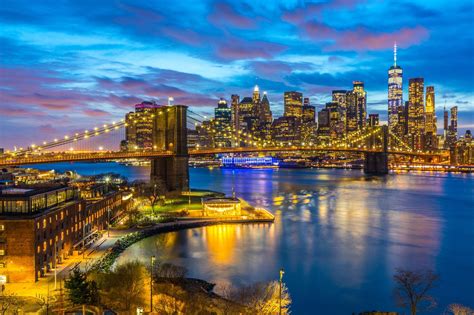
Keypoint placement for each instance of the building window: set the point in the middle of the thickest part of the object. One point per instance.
(2, 252)
(2, 227)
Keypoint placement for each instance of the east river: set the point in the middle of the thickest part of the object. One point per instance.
(338, 234)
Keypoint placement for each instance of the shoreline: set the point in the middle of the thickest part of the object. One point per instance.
(108, 259)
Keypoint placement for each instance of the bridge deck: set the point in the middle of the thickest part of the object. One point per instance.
(43, 158)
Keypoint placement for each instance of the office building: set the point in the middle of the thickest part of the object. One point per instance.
(293, 104)
(395, 93)
(373, 120)
(223, 124)
(416, 117)
(356, 100)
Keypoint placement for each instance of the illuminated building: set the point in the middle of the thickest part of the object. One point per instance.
(430, 111)
(285, 130)
(373, 120)
(323, 124)
(42, 226)
(452, 135)
(340, 97)
(445, 122)
(416, 117)
(222, 122)
(431, 139)
(265, 111)
(139, 128)
(293, 104)
(234, 105)
(222, 207)
(395, 93)
(309, 114)
(462, 150)
(356, 114)
(309, 126)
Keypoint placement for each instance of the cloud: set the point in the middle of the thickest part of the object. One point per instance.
(364, 40)
(224, 15)
(95, 112)
(235, 49)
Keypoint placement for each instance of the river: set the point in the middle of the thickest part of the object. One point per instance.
(338, 234)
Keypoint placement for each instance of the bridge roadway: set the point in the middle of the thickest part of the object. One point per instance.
(54, 157)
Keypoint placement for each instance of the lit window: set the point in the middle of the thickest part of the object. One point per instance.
(2, 227)
(2, 252)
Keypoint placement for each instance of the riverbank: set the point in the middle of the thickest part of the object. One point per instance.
(105, 262)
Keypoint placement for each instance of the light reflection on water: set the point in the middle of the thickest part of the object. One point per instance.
(338, 234)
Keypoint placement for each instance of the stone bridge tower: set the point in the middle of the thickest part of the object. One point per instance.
(170, 134)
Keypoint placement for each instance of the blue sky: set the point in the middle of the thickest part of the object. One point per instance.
(66, 65)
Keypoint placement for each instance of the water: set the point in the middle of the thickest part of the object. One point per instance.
(338, 234)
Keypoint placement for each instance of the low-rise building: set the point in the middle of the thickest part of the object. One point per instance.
(42, 226)
(222, 207)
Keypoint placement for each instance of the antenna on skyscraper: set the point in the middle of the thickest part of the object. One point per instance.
(395, 54)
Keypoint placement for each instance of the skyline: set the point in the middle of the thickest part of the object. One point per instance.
(96, 64)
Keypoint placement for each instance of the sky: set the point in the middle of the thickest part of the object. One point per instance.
(69, 65)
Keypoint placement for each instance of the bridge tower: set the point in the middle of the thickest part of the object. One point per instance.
(377, 162)
(170, 134)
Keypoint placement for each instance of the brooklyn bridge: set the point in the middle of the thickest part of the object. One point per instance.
(170, 153)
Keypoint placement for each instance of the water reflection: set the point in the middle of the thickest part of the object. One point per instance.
(338, 234)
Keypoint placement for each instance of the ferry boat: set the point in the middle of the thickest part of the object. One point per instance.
(249, 162)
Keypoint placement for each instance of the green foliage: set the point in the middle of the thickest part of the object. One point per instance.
(80, 290)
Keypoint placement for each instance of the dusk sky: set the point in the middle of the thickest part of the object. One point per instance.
(68, 65)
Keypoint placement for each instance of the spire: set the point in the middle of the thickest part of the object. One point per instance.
(255, 89)
(395, 54)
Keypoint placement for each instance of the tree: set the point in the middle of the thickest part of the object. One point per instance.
(262, 297)
(152, 191)
(458, 309)
(124, 287)
(412, 289)
(81, 291)
(9, 303)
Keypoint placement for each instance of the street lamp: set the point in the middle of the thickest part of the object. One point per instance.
(151, 282)
(282, 272)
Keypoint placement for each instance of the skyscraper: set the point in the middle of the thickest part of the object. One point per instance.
(431, 139)
(430, 111)
(356, 107)
(395, 92)
(445, 122)
(293, 102)
(416, 117)
(340, 97)
(234, 105)
(139, 130)
(265, 111)
(222, 120)
(452, 136)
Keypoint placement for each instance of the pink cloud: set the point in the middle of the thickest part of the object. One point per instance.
(223, 15)
(239, 49)
(95, 112)
(363, 40)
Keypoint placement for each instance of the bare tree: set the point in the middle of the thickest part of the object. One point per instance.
(412, 289)
(458, 309)
(262, 297)
(152, 191)
(10, 303)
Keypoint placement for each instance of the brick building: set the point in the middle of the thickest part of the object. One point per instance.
(39, 225)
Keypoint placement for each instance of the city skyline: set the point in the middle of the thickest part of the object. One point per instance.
(116, 58)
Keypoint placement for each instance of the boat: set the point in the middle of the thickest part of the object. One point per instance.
(250, 162)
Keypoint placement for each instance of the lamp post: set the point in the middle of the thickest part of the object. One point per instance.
(282, 272)
(151, 282)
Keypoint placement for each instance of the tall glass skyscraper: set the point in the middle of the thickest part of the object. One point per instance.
(395, 92)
